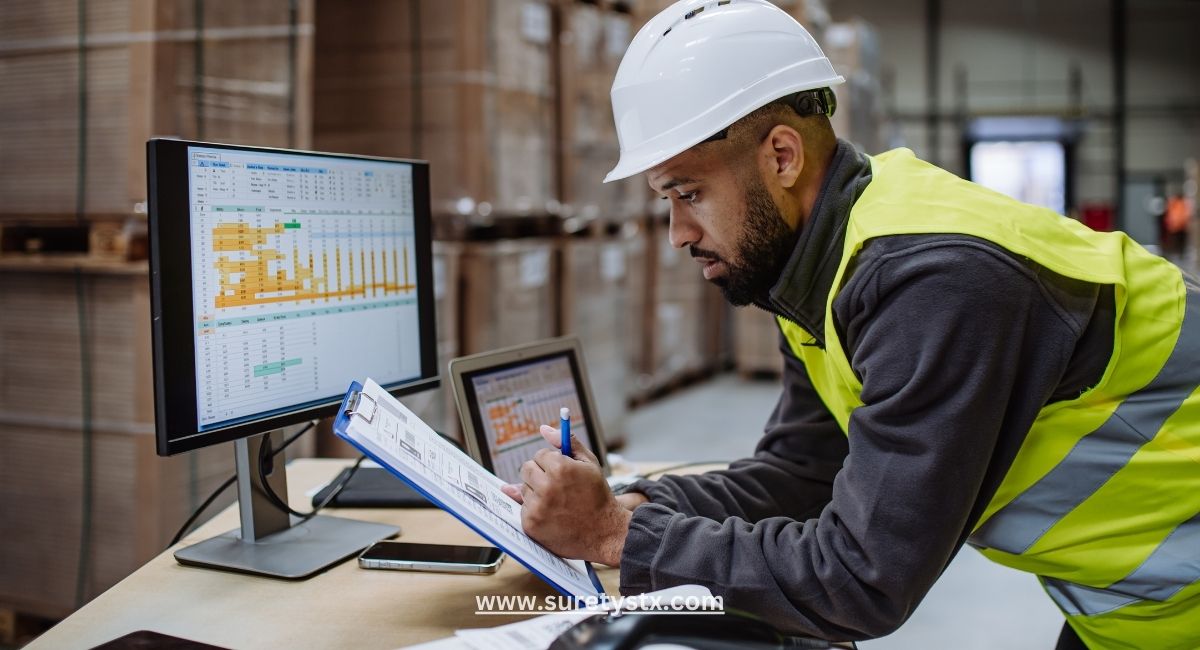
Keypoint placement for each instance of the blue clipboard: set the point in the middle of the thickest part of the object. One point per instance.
(340, 424)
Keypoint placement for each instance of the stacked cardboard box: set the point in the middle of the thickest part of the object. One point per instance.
(592, 42)
(853, 48)
(508, 293)
(636, 241)
(676, 325)
(593, 307)
(467, 85)
(436, 407)
(139, 499)
(238, 74)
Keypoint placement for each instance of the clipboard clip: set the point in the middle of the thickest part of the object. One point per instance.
(362, 405)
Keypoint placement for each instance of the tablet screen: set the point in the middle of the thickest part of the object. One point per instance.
(509, 403)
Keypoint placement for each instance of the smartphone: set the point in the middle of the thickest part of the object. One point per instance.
(403, 556)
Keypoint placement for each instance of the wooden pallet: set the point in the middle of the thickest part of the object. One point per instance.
(98, 239)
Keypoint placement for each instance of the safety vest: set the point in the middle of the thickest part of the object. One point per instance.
(1102, 501)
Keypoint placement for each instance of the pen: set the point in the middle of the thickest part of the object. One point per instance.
(565, 424)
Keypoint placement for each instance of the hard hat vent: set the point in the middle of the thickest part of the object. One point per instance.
(696, 12)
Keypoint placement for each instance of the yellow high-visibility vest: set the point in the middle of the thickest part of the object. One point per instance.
(1102, 501)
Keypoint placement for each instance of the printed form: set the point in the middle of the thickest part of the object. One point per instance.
(398, 439)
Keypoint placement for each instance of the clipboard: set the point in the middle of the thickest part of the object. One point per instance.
(357, 404)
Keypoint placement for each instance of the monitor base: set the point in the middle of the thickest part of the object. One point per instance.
(271, 542)
(293, 553)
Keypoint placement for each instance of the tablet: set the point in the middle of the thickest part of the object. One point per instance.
(503, 397)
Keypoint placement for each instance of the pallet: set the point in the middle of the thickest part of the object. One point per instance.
(98, 239)
(675, 384)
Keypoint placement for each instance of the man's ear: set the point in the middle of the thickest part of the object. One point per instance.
(785, 150)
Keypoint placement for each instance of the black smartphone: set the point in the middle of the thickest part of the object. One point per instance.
(403, 556)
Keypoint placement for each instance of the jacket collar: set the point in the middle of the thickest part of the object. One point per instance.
(803, 287)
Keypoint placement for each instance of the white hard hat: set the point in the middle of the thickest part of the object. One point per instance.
(701, 65)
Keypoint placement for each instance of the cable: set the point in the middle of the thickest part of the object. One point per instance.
(671, 468)
(85, 353)
(184, 529)
(275, 500)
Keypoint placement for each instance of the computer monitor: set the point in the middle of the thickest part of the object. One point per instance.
(277, 278)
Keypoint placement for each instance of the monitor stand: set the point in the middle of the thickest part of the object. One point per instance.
(272, 542)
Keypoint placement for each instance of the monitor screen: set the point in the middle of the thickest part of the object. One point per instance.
(510, 403)
(300, 273)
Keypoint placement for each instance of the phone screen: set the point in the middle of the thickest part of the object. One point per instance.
(483, 555)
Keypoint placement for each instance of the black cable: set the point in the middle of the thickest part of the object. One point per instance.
(85, 354)
(183, 530)
(672, 468)
(275, 500)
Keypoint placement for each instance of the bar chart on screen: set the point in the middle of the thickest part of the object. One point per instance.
(303, 277)
(308, 259)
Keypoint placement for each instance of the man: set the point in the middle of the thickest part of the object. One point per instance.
(960, 368)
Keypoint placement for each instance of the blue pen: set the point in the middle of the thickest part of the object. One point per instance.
(565, 423)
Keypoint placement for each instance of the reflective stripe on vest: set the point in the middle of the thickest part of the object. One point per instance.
(1175, 564)
(1102, 453)
(1102, 500)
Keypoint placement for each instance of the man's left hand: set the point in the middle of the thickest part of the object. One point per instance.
(567, 506)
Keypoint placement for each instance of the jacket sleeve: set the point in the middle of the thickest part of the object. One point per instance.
(790, 475)
(950, 353)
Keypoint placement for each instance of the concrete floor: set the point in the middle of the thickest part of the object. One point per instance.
(976, 605)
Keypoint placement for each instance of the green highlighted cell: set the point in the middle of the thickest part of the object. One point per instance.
(290, 225)
(275, 367)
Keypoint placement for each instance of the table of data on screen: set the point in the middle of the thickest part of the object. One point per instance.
(282, 246)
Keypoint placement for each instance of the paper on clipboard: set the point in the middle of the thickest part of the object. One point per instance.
(387, 431)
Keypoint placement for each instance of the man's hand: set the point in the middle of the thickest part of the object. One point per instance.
(567, 506)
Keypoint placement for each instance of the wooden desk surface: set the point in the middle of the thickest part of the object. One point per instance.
(343, 607)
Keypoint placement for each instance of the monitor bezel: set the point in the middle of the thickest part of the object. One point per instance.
(172, 316)
(463, 369)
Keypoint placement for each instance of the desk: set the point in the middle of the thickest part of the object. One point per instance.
(343, 607)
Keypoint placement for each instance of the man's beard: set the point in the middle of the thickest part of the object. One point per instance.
(763, 250)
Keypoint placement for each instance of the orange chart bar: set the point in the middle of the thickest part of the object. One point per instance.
(249, 279)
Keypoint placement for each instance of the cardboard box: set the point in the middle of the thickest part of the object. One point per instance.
(853, 48)
(436, 407)
(508, 293)
(466, 85)
(676, 314)
(594, 295)
(139, 498)
(143, 80)
(592, 42)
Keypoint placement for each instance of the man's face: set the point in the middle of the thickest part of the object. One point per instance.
(728, 220)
